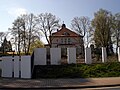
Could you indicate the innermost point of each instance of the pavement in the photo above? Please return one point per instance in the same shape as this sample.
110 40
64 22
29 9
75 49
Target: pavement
60 83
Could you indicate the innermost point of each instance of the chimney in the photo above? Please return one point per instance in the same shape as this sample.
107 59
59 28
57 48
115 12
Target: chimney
63 26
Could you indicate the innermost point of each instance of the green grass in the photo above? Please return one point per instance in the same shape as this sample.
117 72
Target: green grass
79 70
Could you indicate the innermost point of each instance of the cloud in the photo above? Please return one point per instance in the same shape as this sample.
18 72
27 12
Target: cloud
17 11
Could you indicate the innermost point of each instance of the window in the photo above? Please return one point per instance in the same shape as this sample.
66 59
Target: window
65 40
62 41
69 41
66 33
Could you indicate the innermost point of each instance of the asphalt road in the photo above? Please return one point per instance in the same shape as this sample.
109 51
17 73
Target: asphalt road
102 88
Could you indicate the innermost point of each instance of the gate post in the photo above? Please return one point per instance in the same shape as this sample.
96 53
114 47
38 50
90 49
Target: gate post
88 59
118 54
71 53
104 55
40 56
16 66
55 56
7 66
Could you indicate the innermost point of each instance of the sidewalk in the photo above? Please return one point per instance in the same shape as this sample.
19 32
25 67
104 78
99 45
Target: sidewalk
59 83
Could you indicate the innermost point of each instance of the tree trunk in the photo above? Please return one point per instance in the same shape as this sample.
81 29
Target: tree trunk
29 42
24 42
31 17
48 40
18 42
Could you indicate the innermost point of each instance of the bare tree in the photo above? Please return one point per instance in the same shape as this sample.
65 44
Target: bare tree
30 27
47 23
81 25
29 31
15 31
90 35
2 36
24 31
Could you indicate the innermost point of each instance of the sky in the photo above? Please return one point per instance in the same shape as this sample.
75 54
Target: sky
66 10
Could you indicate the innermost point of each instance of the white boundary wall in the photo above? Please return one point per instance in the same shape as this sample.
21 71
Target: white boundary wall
118 54
40 56
16 66
71 52
55 56
25 66
7 66
88 59
104 55
0 64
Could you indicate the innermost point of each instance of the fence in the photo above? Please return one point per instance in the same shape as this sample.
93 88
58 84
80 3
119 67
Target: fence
22 66
17 67
40 56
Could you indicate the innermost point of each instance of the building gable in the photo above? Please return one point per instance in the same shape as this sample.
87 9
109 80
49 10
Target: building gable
65 38
65 32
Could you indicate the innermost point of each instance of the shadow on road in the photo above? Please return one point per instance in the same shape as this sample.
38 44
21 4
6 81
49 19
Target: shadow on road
42 83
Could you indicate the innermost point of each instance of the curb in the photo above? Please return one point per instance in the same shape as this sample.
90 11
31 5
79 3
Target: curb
69 87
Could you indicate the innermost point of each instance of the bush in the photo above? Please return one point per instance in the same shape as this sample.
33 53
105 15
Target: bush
79 70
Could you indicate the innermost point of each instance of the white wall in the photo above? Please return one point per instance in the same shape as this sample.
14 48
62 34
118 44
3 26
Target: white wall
71 52
56 41
40 56
55 56
16 66
88 59
104 55
7 66
0 64
25 67
118 54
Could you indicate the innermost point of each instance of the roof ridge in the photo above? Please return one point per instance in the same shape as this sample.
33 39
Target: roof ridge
68 30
